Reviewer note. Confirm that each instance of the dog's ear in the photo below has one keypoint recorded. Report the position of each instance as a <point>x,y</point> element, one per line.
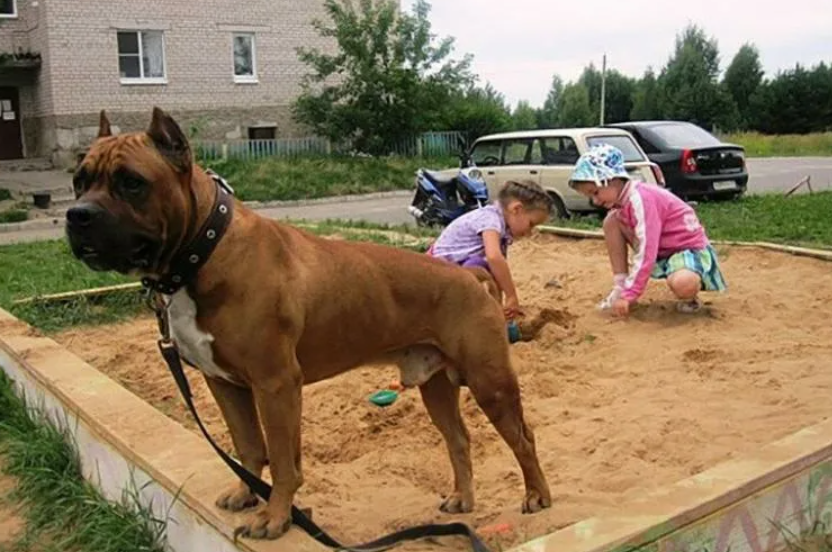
<point>170,140</point>
<point>104,125</point>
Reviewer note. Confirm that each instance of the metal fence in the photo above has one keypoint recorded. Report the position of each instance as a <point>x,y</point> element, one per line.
<point>428,144</point>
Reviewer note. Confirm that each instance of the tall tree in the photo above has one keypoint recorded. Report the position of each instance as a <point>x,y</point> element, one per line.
<point>386,79</point>
<point>618,94</point>
<point>575,110</point>
<point>742,80</point>
<point>796,101</point>
<point>646,98</point>
<point>688,85</point>
<point>476,112</point>
<point>548,115</point>
<point>524,116</point>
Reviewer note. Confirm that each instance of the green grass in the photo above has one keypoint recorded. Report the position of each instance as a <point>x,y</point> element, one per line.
<point>60,507</point>
<point>783,145</point>
<point>13,215</point>
<point>5,195</point>
<point>33,269</point>
<point>797,220</point>
<point>315,177</point>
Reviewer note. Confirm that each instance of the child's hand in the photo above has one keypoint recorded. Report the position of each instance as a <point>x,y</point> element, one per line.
<point>621,307</point>
<point>512,309</point>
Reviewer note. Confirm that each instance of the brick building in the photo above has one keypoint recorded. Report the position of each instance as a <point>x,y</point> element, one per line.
<point>224,69</point>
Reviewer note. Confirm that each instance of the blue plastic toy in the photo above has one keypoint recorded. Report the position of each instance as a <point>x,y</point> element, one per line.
<point>513,332</point>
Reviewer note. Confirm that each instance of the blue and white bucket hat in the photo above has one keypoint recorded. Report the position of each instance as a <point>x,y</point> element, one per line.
<point>599,165</point>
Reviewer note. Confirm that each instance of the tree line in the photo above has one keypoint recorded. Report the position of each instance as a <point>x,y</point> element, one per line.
<point>389,78</point>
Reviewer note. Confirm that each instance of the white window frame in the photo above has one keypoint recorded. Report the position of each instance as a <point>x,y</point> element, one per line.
<point>245,79</point>
<point>144,80</point>
<point>12,15</point>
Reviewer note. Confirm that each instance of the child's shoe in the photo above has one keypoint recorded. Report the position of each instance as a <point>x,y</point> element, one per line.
<point>689,307</point>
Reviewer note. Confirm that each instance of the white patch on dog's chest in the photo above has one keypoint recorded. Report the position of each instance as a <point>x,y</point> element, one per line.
<point>194,344</point>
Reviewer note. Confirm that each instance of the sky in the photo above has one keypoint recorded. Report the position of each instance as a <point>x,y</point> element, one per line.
<point>518,45</point>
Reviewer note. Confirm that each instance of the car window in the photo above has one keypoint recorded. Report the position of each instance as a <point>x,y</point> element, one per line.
<point>486,154</point>
<point>625,143</point>
<point>537,153</point>
<point>559,150</point>
<point>644,142</point>
<point>517,152</point>
<point>684,135</point>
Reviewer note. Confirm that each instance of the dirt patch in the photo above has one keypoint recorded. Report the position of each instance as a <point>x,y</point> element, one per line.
<point>617,407</point>
<point>12,523</point>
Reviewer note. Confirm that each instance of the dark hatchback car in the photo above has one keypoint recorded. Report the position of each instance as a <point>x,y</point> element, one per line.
<point>694,162</point>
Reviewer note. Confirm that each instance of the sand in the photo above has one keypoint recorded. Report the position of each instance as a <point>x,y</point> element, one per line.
<point>618,407</point>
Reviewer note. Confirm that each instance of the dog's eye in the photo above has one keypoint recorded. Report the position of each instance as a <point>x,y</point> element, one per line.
<point>132,185</point>
<point>79,182</point>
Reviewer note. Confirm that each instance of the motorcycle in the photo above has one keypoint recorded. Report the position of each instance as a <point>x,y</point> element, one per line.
<point>440,199</point>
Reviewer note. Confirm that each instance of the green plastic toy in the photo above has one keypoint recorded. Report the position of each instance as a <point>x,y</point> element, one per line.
<point>385,397</point>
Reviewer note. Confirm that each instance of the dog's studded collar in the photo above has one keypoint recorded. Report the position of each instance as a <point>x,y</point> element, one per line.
<point>190,259</point>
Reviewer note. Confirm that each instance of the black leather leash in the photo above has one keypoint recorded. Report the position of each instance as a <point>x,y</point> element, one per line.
<point>185,268</point>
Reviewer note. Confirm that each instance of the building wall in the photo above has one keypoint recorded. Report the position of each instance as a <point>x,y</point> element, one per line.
<point>28,32</point>
<point>78,43</point>
<point>198,51</point>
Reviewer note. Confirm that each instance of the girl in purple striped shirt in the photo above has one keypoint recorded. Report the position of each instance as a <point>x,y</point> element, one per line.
<point>481,237</point>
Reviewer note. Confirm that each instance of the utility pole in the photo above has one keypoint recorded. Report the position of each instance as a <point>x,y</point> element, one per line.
<point>603,86</point>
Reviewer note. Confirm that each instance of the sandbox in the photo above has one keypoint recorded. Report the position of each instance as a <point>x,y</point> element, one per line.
<point>618,408</point>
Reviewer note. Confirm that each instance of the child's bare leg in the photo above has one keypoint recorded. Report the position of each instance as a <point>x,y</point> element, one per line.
<point>616,238</point>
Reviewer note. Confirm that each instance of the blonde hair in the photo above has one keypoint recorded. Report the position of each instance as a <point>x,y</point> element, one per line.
<point>530,194</point>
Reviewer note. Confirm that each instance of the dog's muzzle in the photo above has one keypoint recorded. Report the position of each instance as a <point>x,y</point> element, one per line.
<point>96,238</point>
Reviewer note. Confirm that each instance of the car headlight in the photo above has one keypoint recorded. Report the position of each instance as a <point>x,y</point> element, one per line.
<point>476,174</point>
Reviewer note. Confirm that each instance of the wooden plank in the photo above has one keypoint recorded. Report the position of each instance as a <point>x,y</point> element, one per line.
<point>68,295</point>
<point>820,254</point>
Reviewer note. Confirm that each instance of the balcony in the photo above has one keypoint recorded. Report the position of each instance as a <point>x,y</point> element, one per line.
<point>19,64</point>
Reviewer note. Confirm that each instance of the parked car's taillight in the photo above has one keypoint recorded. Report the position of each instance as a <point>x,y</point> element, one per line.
<point>658,174</point>
<point>688,164</point>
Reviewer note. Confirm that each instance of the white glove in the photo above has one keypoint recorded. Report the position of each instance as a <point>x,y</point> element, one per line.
<point>615,294</point>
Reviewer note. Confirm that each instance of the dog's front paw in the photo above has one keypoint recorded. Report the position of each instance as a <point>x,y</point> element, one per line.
<point>457,503</point>
<point>237,498</point>
<point>261,525</point>
<point>535,501</point>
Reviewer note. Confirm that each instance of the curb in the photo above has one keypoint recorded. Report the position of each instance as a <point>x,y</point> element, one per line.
<point>53,222</point>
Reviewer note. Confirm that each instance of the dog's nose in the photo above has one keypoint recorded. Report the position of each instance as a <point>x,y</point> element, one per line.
<point>83,215</point>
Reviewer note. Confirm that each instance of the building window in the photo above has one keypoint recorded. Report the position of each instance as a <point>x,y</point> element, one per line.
<point>262,133</point>
<point>245,68</point>
<point>8,8</point>
<point>141,57</point>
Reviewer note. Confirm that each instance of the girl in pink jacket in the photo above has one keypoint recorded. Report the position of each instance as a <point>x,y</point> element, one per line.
<point>663,231</point>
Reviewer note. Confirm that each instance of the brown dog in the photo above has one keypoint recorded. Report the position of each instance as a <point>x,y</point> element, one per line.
<point>274,308</point>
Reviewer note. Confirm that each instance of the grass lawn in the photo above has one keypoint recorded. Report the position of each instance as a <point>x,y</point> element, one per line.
<point>797,220</point>
<point>61,510</point>
<point>784,145</point>
<point>314,177</point>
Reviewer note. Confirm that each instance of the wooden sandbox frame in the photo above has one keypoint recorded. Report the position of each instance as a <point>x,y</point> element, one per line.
<point>125,444</point>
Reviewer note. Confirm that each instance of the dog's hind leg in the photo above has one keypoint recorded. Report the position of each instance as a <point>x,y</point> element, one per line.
<point>441,399</point>
<point>238,410</point>
<point>495,388</point>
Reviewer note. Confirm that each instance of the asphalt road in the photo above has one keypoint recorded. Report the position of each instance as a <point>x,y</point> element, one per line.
<point>766,175</point>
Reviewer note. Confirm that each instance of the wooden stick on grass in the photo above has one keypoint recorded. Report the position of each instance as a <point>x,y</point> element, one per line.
<point>68,295</point>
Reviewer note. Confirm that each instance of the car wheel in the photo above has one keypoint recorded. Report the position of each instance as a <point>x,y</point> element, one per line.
<point>559,211</point>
